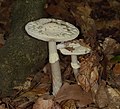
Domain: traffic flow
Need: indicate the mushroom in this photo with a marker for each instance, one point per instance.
(52, 31)
(73, 48)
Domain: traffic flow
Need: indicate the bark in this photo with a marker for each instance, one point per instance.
(22, 54)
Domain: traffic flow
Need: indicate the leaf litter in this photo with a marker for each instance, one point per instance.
(98, 84)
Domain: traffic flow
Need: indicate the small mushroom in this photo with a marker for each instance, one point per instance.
(73, 49)
(52, 31)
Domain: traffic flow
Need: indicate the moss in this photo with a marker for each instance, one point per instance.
(22, 54)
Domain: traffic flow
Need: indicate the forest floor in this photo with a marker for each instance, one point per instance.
(98, 79)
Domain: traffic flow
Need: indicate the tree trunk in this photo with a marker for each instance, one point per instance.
(22, 54)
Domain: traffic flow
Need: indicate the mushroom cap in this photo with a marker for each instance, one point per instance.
(48, 29)
(72, 48)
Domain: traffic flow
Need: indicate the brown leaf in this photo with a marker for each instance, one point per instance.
(89, 108)
(67, 73)
(102, 10)
(43, 103)
(59, 11)
(56, 106)
(74, 92)
(116, 69)
(40, 77)
(110, 46)
(114, 95)
(84, 83)
(88, 74)
(42, 89)
(84, 10)
(2, 107)
(107, 24)
(101, 96)
(69, 104)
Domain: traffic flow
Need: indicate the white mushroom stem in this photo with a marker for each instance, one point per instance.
(75, 65)
(55, 67)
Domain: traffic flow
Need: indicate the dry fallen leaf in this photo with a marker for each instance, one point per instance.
(88, 74)
(2, 107)
(56, 106)
(68, 73)
(116, 69)
(101, 96)
(84, 10)
(114, 95)
(73, 92)
(110, 46)
(107, 24)
(43, 77)
(90, 108)
(59, 12)
(69, 104)
(44, 103)
(24, 86)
